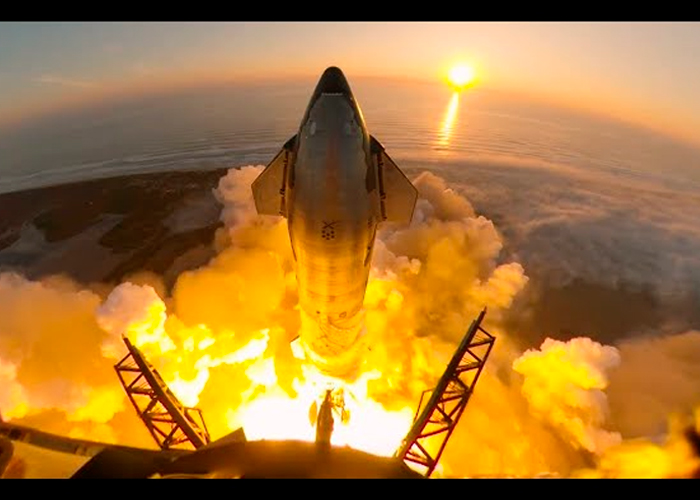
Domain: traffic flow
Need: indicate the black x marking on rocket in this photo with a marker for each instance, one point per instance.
(328, 231)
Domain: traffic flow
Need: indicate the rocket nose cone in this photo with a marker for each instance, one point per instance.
(333, 82)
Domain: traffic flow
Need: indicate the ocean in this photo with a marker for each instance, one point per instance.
(419, 124)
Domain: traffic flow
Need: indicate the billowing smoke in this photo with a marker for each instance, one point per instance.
(132, 310)
(50, 359)
(12, 393)
(222, 339)
(564, 384)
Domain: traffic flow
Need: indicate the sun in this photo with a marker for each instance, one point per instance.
(461, 75)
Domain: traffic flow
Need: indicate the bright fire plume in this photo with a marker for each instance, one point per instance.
(223, 340)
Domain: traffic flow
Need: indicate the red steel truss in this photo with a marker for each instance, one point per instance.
(170, 422)
(449, 398)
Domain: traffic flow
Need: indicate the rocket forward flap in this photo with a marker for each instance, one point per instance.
(269, 188)
(398, 196)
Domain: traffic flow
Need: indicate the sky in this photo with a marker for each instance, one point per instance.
(645, 73)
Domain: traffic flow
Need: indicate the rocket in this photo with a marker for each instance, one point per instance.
(334, 183)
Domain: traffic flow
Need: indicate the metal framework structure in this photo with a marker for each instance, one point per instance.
(436, 420)
(170, 422)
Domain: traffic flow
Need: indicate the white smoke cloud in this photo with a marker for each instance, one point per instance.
(564, 383)
(12, 396)
(49, 352)
(234, 194)
(132, 310)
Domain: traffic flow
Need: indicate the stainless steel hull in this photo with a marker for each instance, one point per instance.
(335, 184)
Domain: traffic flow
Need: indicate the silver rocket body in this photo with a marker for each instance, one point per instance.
(334, 183)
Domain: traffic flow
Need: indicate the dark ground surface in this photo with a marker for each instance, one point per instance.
(103, 230)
